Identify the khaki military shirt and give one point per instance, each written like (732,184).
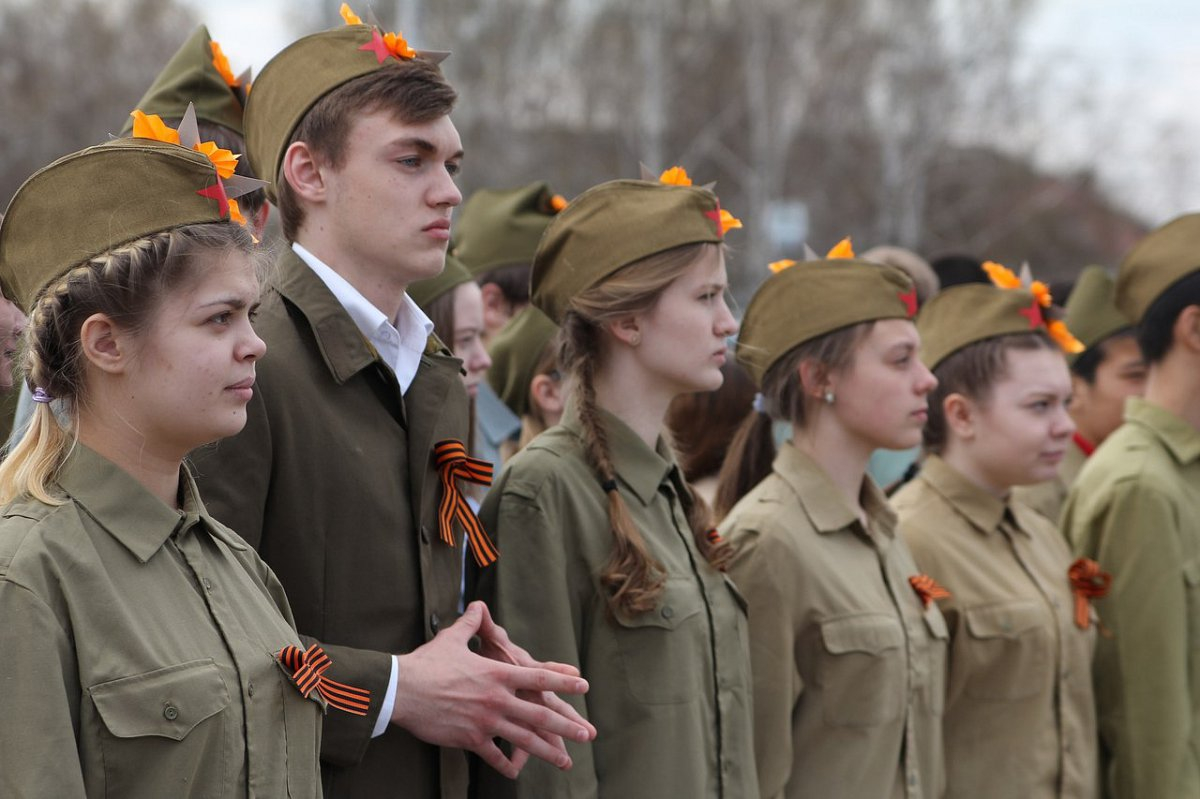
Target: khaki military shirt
(1136,509)
(848,664)
(1019,718)
(1048,498)
(139,651)
(670,688)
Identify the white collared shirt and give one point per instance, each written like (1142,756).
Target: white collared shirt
(401,343)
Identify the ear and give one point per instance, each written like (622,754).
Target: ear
(258,222)
(627,330)
(814,378)
(303,172)
(1080,393)
(960,413)
(547,394)
(1187,329)
(106,346)
(497,310)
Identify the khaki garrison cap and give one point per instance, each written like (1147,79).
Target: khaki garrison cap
(1164,257)
(611,226)
(502,227)
(193,76)
(515,353)
(1091,311)
(453,275)
(89,202)
(806,300)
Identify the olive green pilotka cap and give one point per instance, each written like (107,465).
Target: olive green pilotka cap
(611,226)
(1167,255)
(502,227)
(89,202)
(198,74)
(1091,311)
(805,300)
(453,275)
(515,353)
(300,75)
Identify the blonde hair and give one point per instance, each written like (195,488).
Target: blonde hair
(127,284)
(633,578)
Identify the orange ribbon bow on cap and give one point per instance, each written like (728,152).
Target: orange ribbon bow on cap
(927,588)
(308,668)
(452,463)
(1089,582)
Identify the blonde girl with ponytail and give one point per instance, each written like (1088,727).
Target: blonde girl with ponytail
(147,651)
(607,559)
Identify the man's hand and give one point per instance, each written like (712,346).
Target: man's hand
(449,696)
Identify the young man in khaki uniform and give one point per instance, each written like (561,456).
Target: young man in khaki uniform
(1109,370)
(334,479)
(1134,509)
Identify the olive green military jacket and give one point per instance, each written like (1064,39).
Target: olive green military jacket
(1020,718)
(333,482)
(1048,497)
(669,688)
(1136,509)
(137,651)
(849,665)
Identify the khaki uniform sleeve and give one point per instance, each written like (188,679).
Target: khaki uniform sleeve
(530,593)
(759,571)
(39,753)
(1143,668)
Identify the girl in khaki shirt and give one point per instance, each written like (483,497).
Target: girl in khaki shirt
(144,644)
(847,647)
(1019,718)
(606,558)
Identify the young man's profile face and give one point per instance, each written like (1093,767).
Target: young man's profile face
(390,200)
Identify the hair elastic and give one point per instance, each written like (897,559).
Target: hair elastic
(609,486)
(760,403)
(41,395)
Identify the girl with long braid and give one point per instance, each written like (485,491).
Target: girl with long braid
(147,650)
(607,560)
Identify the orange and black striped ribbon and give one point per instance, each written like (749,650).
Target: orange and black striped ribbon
(453,464)
(927,588)
(308,668)
(1089,582)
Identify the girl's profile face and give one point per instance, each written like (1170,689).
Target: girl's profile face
(194,370)
(1020,434)
(881,396)
(468,335)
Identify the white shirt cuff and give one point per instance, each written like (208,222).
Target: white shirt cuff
(389,701)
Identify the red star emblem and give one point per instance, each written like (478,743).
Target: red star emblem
(715,216)
(909,298)
(1033,313)
(377,46)
(217,192)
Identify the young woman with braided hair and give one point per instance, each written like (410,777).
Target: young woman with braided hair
(607,560)
(149,651)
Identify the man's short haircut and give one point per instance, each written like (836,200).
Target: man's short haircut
(413,90)
(512,280)
(1089,360)
(1155,334)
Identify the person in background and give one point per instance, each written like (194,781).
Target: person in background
(454,304)
(847,647)
(525,375)
(1108,371)
(1134,508)
(704,423)
(1019,718)
(956,269)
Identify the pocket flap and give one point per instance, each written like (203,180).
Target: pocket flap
(679,601)
(1191,573)
(1005,620)
(166,703)
(871,634)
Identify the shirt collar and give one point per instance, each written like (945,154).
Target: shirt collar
(126,510)
(822,500)
(638,466)
(1178,436)
(984,511)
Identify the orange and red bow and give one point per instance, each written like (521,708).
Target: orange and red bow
(1003,277)
(453,464)
(307,669)
(1088,582)
(927,589)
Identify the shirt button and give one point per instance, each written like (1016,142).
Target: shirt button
(668,612)
(250,688)
(207,584)
(170,712)
(434,622)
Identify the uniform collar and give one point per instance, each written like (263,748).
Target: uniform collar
(126,510)
(1179,437)
(496,421)
(822,500)
(981,509)
(638,466)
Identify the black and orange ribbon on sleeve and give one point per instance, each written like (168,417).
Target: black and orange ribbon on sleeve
(308,667)
(1088,582)
(453,464)
(927,589)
